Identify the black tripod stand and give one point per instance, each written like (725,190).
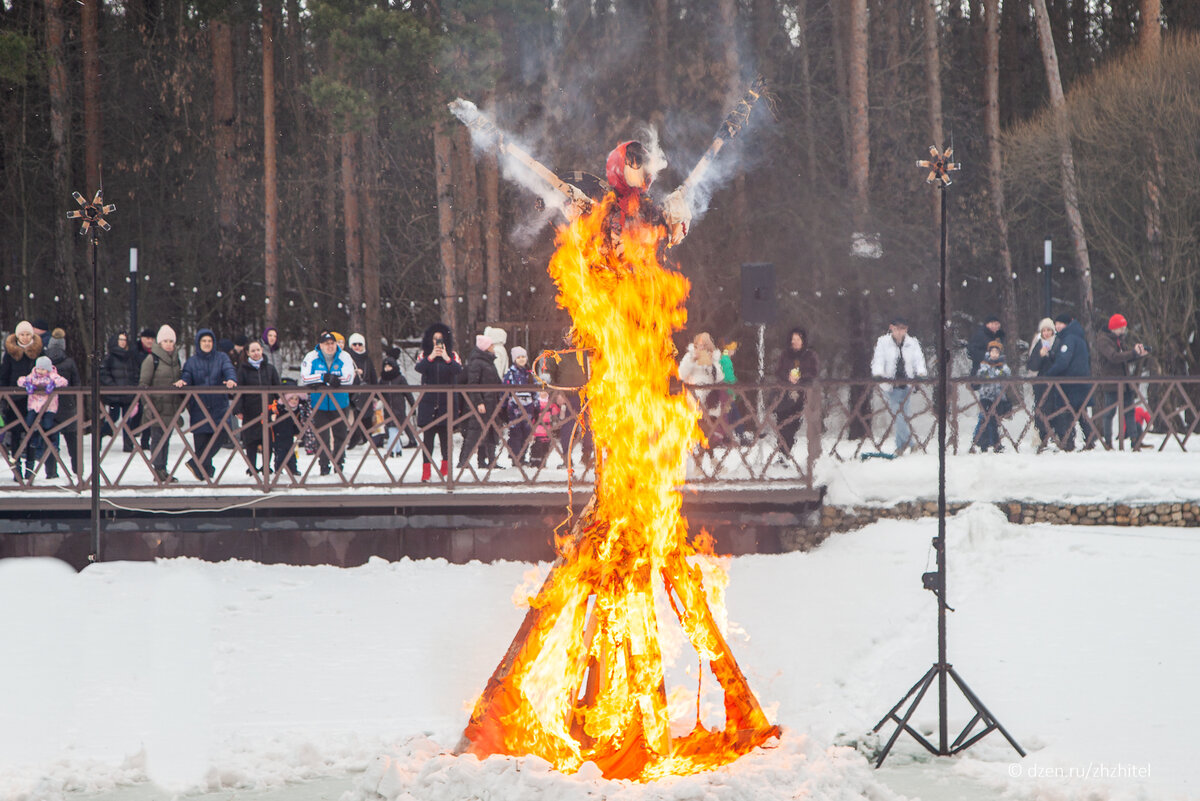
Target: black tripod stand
(939,166)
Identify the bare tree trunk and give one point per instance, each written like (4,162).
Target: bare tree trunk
(443,158)
(860,186)
(860,131)
(224,138)
(467,218)
(662,83)
(371,244)
(491,233)
(727,14)
(1150,40)
(60,113)
(1067,160)
(92,123)
(933,77)
(326,265)
(991,126)
(806,97)
(270,168)
(354,266)
(1150,32)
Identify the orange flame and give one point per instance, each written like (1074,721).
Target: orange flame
(585,677)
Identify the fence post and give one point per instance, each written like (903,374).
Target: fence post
(814,420)
(952,414)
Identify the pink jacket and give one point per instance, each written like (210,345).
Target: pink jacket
(41,390)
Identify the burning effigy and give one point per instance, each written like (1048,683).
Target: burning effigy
(584,679)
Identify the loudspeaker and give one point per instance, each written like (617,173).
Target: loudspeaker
(758,294)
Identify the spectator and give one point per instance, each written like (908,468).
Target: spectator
(992,401)
(735,418)
(21,350)
(270,339)
(238,354)
(140,353)
(39,385)
(226,346)
(550,416)
(571,375)
(41,329)
(66,367)
(287,422)
(364,375)
(522,407)
(161,370)
(1071,360)
(1046,398)
(797,367)
(252,407)
(499,339)
(897,359)
(397,404)
(701,365)
(481,430)
(1117,357)
(438,365)
(979,344)
(207,367)
(329,366)
(119,370)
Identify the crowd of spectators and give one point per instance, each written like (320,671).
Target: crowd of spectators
(541,416)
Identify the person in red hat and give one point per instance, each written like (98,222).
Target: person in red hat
(1118,356)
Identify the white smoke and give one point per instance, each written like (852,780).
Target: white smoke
(486,138)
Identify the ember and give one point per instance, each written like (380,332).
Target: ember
(585,676)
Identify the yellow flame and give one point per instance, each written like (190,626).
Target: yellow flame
(585,678)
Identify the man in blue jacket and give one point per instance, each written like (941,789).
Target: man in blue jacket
(331,367)
(1072,360)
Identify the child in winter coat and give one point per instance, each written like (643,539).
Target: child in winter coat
(550,416)
(40,385)
(289,418)
(992,403)
(396,414)
(521,407)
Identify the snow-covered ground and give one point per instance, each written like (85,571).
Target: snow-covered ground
(135,681)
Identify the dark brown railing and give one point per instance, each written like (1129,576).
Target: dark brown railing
(748,427)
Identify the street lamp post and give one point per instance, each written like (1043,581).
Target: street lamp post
(92,215)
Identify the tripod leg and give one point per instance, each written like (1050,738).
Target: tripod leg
(988,717)
(919,688)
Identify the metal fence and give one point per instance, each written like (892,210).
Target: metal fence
(755,433)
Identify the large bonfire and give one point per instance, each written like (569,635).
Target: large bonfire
(585,677)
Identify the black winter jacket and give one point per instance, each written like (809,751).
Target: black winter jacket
(481,370)
(119,369)
(69,370)
(436,372)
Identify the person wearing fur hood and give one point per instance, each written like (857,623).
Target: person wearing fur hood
(438,365)
(21,350)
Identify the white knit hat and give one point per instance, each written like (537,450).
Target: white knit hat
(497,335)
(166,333)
